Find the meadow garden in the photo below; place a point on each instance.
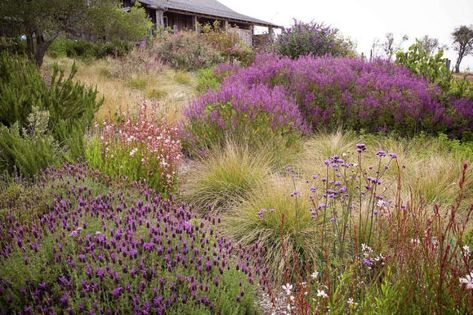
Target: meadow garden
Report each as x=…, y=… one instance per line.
x=195, y=175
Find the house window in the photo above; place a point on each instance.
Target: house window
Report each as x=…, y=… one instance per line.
x=165, y=21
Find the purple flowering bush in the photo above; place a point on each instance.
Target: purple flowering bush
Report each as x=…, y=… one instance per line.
x=102, y=250
x=332, y=92
x=315, y=39
x=256, y=113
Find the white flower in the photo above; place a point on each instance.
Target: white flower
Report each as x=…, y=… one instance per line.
x=468, y=280
x=351, y=302
x=415, y=241
x=288, y=288
x=314, y=275
x=133, y=152
x=466, y=250
x=321, y=293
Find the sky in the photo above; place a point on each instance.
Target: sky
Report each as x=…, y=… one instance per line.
x=365, y=20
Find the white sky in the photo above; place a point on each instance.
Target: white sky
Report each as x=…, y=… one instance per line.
x=365, y=20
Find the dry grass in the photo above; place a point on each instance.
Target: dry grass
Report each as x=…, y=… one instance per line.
x=227, y=175
x=428, y=169
x=170, y=89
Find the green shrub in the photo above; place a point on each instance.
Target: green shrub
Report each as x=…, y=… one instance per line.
x=26, y=155
x=84, y=49
x=69, y=106
x=186, y=51
x=207, y=80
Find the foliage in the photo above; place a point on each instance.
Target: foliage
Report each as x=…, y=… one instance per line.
x=207, y=80
x=65, y=108
x=186, y=51
x=26, y=154
x=462, y=43
x=422, y=62
x=314, y=39
x=140, y=148
x=79, y=48
x=225, y=177
x=228, y=42
x=112, y=251
x=42, y=21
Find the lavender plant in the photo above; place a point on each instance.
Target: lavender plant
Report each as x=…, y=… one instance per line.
x=99, y=250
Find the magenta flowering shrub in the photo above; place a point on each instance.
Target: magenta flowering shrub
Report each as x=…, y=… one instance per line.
x=139, y=148
x=103, y=251
x=257, y=112
x=352, y=93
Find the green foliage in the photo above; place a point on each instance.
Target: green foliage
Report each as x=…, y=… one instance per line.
x=186, y=51
x=83, y=49
x=26, y=154
x=207, y=80
x=63, y=109
x=424, y=63
x=42, y=21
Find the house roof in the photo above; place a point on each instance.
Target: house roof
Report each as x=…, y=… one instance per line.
x=205, y=7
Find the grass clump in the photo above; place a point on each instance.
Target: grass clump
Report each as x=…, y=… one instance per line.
x=227, y=175
x=277, y=218
x=156, y=94
x=137, y=83
x=182, y=77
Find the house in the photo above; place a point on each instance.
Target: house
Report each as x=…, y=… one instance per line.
x=191, y=14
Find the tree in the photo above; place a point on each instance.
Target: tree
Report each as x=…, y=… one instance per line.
x=42, y=21
x=431, y=45
x=462, y=43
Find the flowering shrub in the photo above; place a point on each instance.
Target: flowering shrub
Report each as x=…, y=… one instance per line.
x=186, y=51
x=139, y=149
x=374, y=96
x=314, y=39
x=98, y=250
x=257, y=113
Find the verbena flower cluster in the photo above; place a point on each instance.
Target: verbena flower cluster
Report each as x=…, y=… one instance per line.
x=349, y=92
x=119, y=252
x=142, y=147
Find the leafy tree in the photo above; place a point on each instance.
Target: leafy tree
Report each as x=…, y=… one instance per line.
x=312, y=39
x=42, y=21
x=462, y=43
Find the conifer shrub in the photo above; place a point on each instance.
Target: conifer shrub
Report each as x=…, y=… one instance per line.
x=64, y=108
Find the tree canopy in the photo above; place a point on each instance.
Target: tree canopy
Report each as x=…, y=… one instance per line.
x=462, y=43
x=42, y=21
